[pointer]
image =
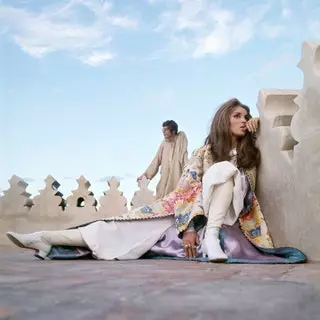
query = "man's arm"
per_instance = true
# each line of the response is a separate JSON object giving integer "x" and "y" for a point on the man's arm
{"x": 153, "y": 168}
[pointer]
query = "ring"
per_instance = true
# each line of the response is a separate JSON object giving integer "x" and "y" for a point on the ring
{"x": 187, "y": 245}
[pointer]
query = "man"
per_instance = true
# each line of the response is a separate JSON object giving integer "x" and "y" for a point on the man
{"x": 172, "y": 156}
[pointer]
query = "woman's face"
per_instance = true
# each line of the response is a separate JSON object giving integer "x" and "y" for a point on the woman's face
{"x": 238, "y": 122}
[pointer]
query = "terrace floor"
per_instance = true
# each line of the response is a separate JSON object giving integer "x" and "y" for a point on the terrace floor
{"x": 154, "y": 289}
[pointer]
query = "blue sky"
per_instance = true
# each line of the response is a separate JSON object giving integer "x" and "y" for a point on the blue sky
{"x": 86, "y": 84}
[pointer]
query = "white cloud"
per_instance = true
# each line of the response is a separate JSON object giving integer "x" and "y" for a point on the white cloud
{"x": 96, "y": 58}
{"x": 286, "y": 12}
{"x": 186, "y": 16}
{"x": 225, "y": 39}
{"x": 87, "y": 29}
{"x": 62, "y": 28}
{"x": 105, "y": 179}
{"x": 202, "y": 28}
{"x": 124, "y": 22}
{"x": 153, "y": 1}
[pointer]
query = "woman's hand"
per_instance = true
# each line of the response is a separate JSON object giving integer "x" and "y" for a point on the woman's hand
{"x": 190, "y": 241}
{"x": 253, "y": 124}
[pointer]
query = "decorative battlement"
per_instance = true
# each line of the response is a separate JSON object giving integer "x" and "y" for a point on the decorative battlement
{"x": 50, "y": 201}
{"x": 50, "y": 210}
{"x": 277, "y": 108}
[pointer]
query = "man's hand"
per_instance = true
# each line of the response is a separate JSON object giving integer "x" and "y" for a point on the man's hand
{"x": 140, "y": 178}
{"x": 190, "y": 241}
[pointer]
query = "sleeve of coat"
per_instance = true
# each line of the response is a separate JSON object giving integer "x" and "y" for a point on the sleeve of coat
{"x": 252, "y": 175}
{"x": 153, "y": 168}
{"x": 185, "y": 199}
{"x": 184, "y": 150}
{"x": 193, "y": 171}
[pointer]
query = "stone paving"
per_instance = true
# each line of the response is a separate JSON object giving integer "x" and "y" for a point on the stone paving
{"x": 154, "y": 289}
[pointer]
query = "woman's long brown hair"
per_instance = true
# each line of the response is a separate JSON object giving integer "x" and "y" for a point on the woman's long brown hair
{"x": 220, "y": 138}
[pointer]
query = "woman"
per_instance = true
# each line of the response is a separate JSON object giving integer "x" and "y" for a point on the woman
{"x": 212, "y": 215}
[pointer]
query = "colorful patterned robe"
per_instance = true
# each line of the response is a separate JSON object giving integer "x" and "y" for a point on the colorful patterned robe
{"x": 185, "y": 203}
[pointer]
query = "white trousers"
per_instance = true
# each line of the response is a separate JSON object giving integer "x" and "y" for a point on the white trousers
{"x": 220, "y": 205}
{"x": 223, "y": 193}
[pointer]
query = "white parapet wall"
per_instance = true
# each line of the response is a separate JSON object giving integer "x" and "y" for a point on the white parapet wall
{"x": 49, "y": 210}
{"x": 289, "y": 176}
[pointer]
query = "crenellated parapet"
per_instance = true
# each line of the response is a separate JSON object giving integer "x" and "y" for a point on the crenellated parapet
{"x": 144, "y": 196}
{"x": 82, "y": 198}
{"x": 50, "y": 210}
{"x": 49, "y": 202}
{"x": 16, "y": 200}
{"x": 306, "y": 122}
{"x": 277, "y": 108}
{"x": 289, "y": 175}
{"x": 113, "y": 200}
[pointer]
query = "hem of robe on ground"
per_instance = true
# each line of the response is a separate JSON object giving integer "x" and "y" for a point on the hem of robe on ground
{"x": 169, "y": 247}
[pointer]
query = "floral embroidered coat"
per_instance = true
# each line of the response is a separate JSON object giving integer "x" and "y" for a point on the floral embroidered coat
{"x": 185, "y": 203}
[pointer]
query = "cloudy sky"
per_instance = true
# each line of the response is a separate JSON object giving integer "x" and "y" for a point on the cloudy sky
{"x": 86, "y": 84}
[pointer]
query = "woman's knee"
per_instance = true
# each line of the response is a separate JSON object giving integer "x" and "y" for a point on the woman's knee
{"x": 226, "y": 187}
{"x": 219, "y": 172}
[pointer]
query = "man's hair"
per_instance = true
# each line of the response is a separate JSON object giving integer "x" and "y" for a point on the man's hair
{"x": 171, "y": 125}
